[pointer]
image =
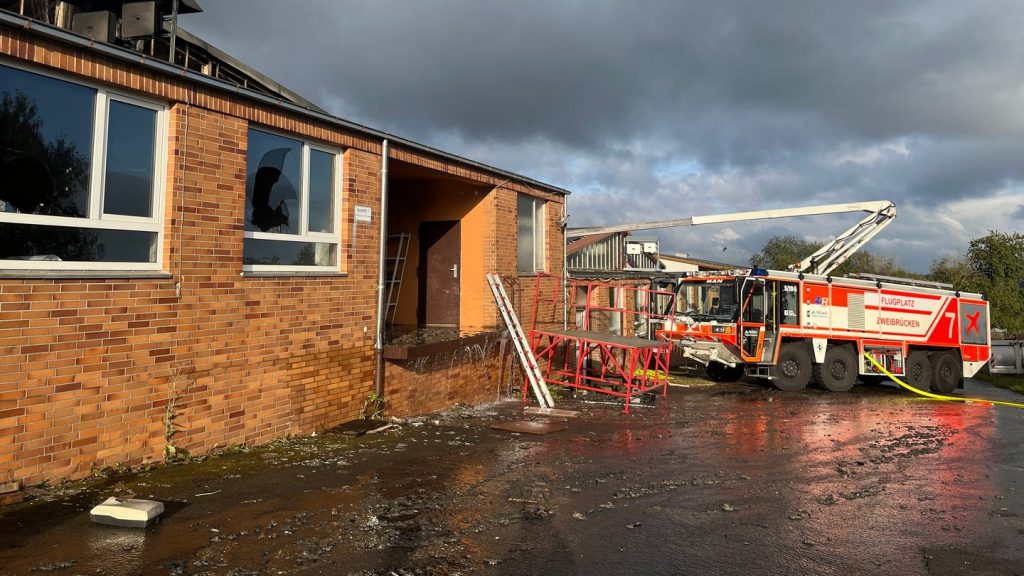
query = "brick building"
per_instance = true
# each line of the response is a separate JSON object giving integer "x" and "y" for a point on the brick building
{"x": 175, "y": 244}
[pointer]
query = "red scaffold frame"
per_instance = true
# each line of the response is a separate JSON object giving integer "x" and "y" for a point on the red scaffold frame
{"x": 603, "y": 362}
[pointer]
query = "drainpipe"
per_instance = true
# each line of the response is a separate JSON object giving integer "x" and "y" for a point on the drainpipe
{"x": 565, "y": 264}
{"x": 382, "y": 271}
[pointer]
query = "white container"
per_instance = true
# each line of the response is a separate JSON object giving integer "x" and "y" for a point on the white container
{"x": 125, "y": 512}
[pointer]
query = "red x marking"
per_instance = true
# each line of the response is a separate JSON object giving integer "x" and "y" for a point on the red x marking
{"x": 972, "y": 322}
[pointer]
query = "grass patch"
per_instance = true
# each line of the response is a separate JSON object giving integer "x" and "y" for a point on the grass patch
{"x": 1013, "y": 382}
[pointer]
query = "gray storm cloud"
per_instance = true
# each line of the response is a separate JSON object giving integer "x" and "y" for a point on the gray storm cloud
{"x": 668, "y": 107}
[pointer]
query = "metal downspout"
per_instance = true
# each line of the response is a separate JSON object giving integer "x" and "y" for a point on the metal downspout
{"x": 565, "y": 265}
{"x": 381, "y": 271}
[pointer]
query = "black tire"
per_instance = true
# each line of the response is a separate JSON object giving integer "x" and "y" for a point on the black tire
{"x": 947, "y": 372}
{"x": 718, "y": 372}
{"x": 792, "y": 372}
{"x": 918, "y": 371}
{"x": 839, "y": 371}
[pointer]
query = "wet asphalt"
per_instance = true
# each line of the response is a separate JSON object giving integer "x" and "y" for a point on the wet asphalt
{"x": 714, "y": 479}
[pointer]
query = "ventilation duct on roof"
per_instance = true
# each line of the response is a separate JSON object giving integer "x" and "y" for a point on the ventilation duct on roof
{"x": 139, "y": 20}
{"x": 100, "y": 26}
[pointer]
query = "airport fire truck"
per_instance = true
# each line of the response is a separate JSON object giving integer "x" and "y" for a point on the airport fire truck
{"x": 793, "y": 328}
{"x": 802, "y": 325}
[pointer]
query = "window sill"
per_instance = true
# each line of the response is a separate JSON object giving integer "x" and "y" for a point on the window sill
{"x": 282, "y": 274}
{"x": 84, "y": 274}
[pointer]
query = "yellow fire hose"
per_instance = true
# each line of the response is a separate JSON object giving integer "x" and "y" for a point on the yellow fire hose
{"x": 938, "y": 396}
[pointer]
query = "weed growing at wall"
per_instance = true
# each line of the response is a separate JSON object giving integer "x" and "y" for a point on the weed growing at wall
{"x": 179, "y": 382}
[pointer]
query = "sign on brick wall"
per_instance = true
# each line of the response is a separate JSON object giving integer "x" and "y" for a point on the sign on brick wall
{"x": 364, "y": 214}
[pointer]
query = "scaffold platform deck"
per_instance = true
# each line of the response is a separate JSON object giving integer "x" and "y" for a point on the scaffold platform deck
{"x": 620, "y": 366}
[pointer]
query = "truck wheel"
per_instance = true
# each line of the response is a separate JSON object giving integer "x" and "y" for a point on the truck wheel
{"x": 918, "y": 371}
{"x": 793, "y": 370}
{"x": 946, "y": 372}
{"x": 839, "y": 371}
{"x": 719, "y": 372}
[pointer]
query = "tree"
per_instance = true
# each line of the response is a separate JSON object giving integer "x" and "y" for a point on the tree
{"x": 998, "y": 258}
{"x": 869, "y": 263}
{"x": 956, "y": 270}
{"x": 780, "y": 252}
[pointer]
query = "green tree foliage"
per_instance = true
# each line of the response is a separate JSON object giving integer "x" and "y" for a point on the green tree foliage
{"x": 993, "y": 266}
{"x": 998, "y": 260}
{"x": 780, "y": 252}
{"x": 956, "y": 270}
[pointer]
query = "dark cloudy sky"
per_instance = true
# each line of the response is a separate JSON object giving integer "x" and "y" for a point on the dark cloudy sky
{"x": 649, "y": 110}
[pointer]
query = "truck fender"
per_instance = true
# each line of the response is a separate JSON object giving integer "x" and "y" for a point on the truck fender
{"x": 819, "y": 346}
{"x": 972, "y": 368}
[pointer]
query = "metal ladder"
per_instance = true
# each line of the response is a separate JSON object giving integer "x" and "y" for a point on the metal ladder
{"x": 522, "y": 347}
{"x": 396, "y": 269}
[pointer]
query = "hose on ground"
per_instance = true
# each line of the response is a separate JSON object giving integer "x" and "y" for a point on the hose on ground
{"x": 934, "y": 396}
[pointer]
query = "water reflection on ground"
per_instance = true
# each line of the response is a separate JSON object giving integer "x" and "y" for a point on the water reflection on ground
{"x": 717, "y": 479}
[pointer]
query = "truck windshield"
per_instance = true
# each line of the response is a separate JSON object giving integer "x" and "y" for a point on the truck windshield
{"x": 704, "y": 301}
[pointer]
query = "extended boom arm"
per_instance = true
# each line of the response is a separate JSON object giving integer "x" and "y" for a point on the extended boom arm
{"x": 824, "y": 261}
{"x": 832, "y": 255}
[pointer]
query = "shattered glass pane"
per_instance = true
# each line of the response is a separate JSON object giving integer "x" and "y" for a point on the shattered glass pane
{"x": 273, "y": 182}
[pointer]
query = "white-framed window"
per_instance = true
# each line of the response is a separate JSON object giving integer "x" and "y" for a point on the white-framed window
{"x": 292, "y": 205}
{"x": 530, "y": 218}
{"x": 81, "y": 175}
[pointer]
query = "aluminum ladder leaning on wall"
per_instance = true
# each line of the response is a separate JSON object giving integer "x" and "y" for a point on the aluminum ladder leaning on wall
{"x": 396, "y": 269}
{"x": 519, "y": 342}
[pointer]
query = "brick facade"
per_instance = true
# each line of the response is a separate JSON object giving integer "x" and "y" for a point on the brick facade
{"x": 89, "y": 364}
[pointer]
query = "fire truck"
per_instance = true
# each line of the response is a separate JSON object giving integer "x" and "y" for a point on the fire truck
{"x": 794, "y": 328}
{"x": 803, "y": 325}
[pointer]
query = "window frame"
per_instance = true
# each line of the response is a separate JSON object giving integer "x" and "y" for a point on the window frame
{"x": 539, "y": 240}
{"x": 304, "y": 235}
{"x": 96, "y": 219}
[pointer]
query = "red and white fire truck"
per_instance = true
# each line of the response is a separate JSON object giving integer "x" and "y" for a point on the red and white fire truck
{"x": 802, "y": 325}
{"x": 794, "y": 328}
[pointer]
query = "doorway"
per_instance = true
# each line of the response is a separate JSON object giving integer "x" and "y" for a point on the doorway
{"x": 439, "y": 272}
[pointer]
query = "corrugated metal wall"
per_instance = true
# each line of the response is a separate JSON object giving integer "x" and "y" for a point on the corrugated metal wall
{"x": 604, "y": 255}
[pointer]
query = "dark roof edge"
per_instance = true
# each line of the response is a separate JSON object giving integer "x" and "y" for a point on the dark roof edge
{"x": 61, "y": 35}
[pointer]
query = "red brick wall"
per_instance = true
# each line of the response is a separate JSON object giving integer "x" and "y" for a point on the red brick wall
{"x": 468, "y": 374}
{"x": 521, "y": 287}
{"x": 86, "y": 364}
{"x": 86, "y": 361}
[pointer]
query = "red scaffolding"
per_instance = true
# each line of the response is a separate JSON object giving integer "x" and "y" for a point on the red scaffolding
{"x": 600, "y": 346}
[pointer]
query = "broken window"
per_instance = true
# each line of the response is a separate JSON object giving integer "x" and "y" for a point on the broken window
{"x": 291, "y": 206}
{"x": 78, "y": 185}
{"x": 531, "y": 234}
